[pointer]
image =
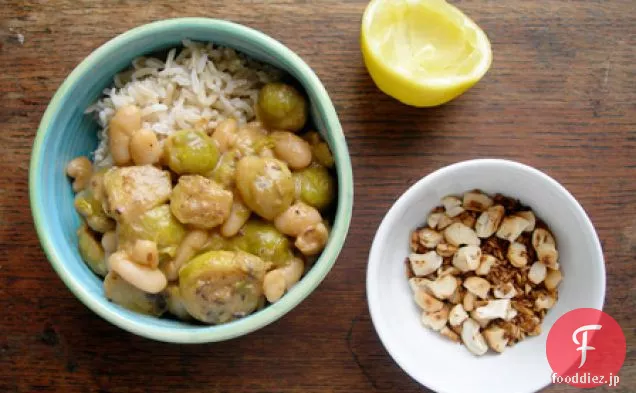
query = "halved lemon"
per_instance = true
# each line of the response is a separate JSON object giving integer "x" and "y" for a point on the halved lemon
{"x": 422, "y": 52}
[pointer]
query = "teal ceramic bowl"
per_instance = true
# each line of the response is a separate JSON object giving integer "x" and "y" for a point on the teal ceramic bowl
{"x": 65, "y": 132}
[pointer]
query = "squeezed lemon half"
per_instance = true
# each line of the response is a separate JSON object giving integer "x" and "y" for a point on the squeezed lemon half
{"x": 422, "y": 52}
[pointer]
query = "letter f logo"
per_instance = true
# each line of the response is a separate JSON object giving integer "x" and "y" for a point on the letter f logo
{"x": 584, "y": 347}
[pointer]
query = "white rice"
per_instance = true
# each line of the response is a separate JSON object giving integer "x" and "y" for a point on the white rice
{"x": 201, "y": 86}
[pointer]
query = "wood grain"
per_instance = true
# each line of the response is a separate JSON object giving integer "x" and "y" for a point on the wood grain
{"x": 561, "y": 96}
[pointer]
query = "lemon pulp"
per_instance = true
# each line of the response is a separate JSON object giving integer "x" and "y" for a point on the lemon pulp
{"x": 423, "y": 52}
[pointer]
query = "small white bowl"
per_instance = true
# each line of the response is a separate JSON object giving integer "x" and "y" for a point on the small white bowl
{"x": 425, "y": 355}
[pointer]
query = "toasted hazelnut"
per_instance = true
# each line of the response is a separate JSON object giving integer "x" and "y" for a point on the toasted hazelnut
{"x": 482, "y": 322}
{"x": 528, "y": 215}
{"x": 486, "y": 262}
{"x": 489, "y": 221}
{"x": 517, "y": 255}
{"x": 446, "y": 250}
{"x": 467, "y": 218}
{"x": 425, "y": 264}
{"x": 448, "y": 333}
{"x": 472, "y": 338}
{"x": 447, "y": 270}
{"x": 457, "y": 315}
{"x": 429, "y": 238}
{"x": 419, "y": 282}
{"x": 443, "y": 287}
{"x": 433, "y": 219}
{"x": 544, "y": 301}
{"x": 476, "y": 201}
{"x": 435, "y": 320}
{"x": 469, "y": 301}
{"x": 552, "y": 279}
{"x": 505, "y": 291}
{"x": 511, "y": 314}
{"x": 548, "y": 254}
{"x": 496, "y": 338}
{"x": 452, "y": 206}
{"x": 511, "y": 227}
{"x": 426, "y": 301}
{"x": 537, "y": 272}
{"x": 494, "y": 309}
{"x": 542, "y": 236}
{"x": 527, "y": 288}
{"x": 478, "y": 286}
{"x": 459, "y": 234}
{"x": 467, "y": 258}
{"x": 456, "y": 297}
{"x": 445, "y": 221}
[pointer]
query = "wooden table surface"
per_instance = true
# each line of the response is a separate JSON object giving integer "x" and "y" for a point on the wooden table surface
{"x": 560, "y": 96}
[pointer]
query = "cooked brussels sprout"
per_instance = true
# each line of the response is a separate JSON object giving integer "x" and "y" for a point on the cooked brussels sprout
{"x": 322, "y": 154}
{"x": 263, "y": 240}
{"x": 158, "y": 225}
{"x": 91, "y": 251}
{"x": 282, "y": 107}
{"x": 91, "y": 209}
{"x": 191, "y": 151}
{"x": 121, "y": 292}
{"x": 132, "y": 190}
{"x": 174, "y": 303}
{"x": 216, "y": 242}
{"x": 220, "y": 286}
{"x": 200, "y": 202}
{"x": 225, "y": 171}
{"x": 315, "y": 186}
{"x": 265, "y": 184}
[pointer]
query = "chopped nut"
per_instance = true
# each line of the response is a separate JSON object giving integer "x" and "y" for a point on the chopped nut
{"x": 552, "y": 279}
{"x": 548, "y": 254}
{"x": 486, "y": 262}
{"x": 495, "y": 337}
{"x": 505, "y": 291}
{"x": 444, "y": 222}
{"x": 457, "y": 315}
{"x": 511, "y": 227}
{"x": 489, "y": 221}
{"x": 426, "y": 301}
{"x": 468, "y": 218}
{"x": 435, "y": 320}
{"x": 510, "y": 314}
{"x": 469, "y": 301}
{"x": 419, "y": 282}
{"x": 472, "y": 338}
{"x": 478, "y": 286}
{"x": 537, "y": 272}
{"x": 529, "y": 216}
{"x": 467, "y": 258}
{"x": 517, "y": 255}
{"x": 482, "y": 322}
{"x": 425, "y": 264}
{"x": 456, "y": 297}
{"x": 429, "y": 238}
{"x": 544, "y": 301}
{"x": 448, "y": 270}
{"x": 494, "y": 309}
{"x": 476, "y": 201}
{"x": 433, "y": 219}
{"x": 459, "y": 234}
{"x": 443, "y": 287}
{"x": 451, "y": 335}
{"x": 446, "y": 250}
{"x": 452, "y": 205}
{"x": 542, "y": 236}
{"x": 527, "y": 289}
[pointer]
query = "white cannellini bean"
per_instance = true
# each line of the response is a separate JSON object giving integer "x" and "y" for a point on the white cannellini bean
{"x": 80, "y": 169}
{"x": 144, "y": 252}
{"x": 274, "y": 285}
{"x": 146, "y": 279}
{"x": 297, "y": 218}
{"x": 239, "y": 214}
{"x": 144, "y": 147}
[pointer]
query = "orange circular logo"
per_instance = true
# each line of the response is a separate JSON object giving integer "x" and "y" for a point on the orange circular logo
{"x": 586, "y": 348}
